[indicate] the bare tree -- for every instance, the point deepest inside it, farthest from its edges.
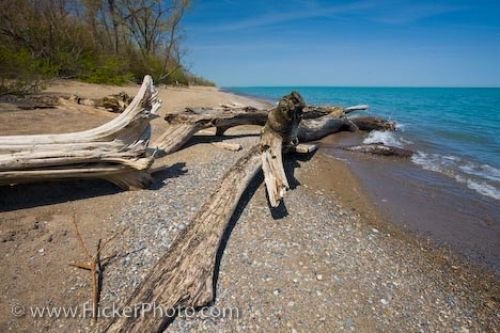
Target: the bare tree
(172, 53)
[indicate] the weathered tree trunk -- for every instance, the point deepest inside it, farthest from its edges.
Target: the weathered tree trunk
(183, 277)
(184, 125)
(280, 132)
(316, 128)
(119, 147)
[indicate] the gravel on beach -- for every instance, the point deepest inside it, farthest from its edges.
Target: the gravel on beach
(314, 266)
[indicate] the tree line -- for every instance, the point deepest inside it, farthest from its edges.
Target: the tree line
(97, 41)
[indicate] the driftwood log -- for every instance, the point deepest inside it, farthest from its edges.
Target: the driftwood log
(380, 149)
(114, 103)
(184, 276)
(373, 123)
(318, 122)
(184, 125)
(116, 151)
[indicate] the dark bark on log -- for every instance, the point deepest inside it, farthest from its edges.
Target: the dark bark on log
(373, 123)
(312, 112)
(184, 276)
(114, 103)
(380, 149)
(280, 132)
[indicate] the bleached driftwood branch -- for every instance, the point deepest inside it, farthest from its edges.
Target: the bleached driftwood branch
(116, 151)
(184, 125)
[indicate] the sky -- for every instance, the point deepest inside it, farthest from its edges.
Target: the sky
(344, 43)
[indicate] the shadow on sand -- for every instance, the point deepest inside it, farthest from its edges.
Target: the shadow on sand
(48, 193)
(290, 164)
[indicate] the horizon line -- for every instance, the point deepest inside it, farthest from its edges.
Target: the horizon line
(355, 86)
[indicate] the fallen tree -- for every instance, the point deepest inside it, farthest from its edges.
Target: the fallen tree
(318, 122)
(116, 151)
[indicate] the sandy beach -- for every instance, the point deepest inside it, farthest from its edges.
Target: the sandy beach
(327, 262)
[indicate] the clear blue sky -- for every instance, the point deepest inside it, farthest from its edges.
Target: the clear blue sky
(367, 42)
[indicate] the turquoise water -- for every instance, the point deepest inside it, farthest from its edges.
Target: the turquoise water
(455, 131)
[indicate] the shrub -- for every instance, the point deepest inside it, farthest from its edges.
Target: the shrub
(19, 73)
(106, 70)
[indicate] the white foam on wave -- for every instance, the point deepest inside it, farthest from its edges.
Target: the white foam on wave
(484, 189)
(484, 171)
(400, 127)
(385, 137)
(474, 176)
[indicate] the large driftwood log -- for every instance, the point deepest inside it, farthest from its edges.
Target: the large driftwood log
(185, 124)
(184, 276)
(316, 128)
(114, 149)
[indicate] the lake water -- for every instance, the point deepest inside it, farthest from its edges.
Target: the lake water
(455, 131)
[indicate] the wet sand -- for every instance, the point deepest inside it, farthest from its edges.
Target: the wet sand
(425, 203)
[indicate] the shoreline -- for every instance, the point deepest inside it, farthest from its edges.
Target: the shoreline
(346, 187)
(426, 205)
(409, 226)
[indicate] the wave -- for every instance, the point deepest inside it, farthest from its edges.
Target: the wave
(484, 189)
(484, 171)
(385, 137)
(400, 127)
(482, 178)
